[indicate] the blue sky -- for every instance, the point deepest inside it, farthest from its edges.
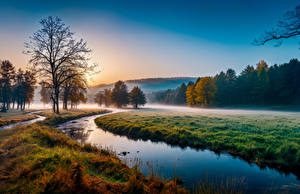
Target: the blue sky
(137, 39)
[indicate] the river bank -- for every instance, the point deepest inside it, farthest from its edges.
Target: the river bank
(266, 140)
(39, 158)
(15, 116)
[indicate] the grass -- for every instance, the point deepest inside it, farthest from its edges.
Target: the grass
(39, 158)
(267, 140)
(14, 116)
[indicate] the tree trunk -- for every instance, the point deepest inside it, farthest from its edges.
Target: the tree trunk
(53, 105)
(57, 99)
(65, 102)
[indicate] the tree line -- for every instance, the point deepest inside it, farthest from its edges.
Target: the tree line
(260, 85)
(171, 96)
(119, 96)
(16, 87)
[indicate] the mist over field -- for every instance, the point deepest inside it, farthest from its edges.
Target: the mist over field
(150, 97)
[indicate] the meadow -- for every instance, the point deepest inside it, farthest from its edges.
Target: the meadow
(39, 158)
(268, 140)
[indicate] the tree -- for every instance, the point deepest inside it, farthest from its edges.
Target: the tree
(230, 89)
(107, 97)
(190, 95)
(220, 80)
(180, 95)
(74, 90)
(54, 53)
(246, 84)
(137, 97)
(46, 94)
(7, 75)
(205, 91)
(119, 94)
(287, 27)
(23, 88)
(103, 97)
(76, 98)
(99, 98)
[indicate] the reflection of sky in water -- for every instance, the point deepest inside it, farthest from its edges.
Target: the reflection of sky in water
(191, 165)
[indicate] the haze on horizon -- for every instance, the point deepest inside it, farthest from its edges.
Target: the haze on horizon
(140, 39)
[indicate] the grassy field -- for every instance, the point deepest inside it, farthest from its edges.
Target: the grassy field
(39, 158)
(14, 116)
(267, 140)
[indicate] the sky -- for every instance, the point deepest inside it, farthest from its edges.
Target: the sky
(140, 39)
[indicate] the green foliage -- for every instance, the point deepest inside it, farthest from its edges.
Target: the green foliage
(38, 158)
(137, 97)
(16, 88)
(263, 85)
(171, 96)
(272, 141)
(119, 94)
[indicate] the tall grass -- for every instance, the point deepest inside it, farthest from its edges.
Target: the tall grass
(217, 186)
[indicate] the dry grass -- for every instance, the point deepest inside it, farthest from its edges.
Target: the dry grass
(39, 158)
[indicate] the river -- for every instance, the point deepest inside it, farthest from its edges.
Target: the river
(38, 118)
(189, 164)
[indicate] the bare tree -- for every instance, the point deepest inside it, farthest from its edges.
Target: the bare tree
(288, 26)
(54, 53)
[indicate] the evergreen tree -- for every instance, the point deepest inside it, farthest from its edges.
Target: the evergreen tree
(180, 95)
(7, 75)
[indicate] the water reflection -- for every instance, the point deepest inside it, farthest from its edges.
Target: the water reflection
(39, 118)
(189, 164)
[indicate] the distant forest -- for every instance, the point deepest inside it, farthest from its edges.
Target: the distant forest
(260, 85)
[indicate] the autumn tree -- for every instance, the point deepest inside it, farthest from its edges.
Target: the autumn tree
(137, 97)
(190, 95)
(77, 98)
(205, 91)
(54, 53)
(119, 94)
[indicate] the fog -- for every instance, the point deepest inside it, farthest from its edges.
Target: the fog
(183, 109)
(225, 111)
